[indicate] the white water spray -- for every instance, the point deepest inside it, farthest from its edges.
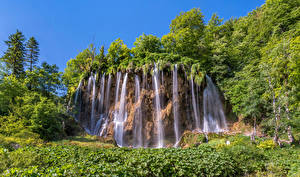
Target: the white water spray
(175, 105)
(160, 131)
(121, 116)
(214, 117)
(137, 132)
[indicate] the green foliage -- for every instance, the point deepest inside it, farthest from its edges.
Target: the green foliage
(192, 19)
(35, 112)
(186, 32)
(76, 70)
(14, 57)
(76, 161)
(118, 54)
(268, 144)
(29, 106)
(32, 52)
(10, 88)
(205, 160)
(45, 79)
(146, 44)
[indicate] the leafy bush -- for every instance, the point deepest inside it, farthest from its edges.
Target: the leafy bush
(268, 144)
(205, 160)
(76, 161)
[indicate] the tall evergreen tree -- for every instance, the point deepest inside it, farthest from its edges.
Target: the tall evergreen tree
(32, 52)
(14, 57)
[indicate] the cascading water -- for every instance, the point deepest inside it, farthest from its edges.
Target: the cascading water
(78, 90)
(106, 104)
(92, 123)
(160, 131)
(107, 96)
(101, 100)
(121, 115)
(214, 117)
(152, 114)
(101, 97)
(175, 105)
(195, 107)
(137, 132)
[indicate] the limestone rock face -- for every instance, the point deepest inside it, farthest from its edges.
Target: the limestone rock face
(146, 101)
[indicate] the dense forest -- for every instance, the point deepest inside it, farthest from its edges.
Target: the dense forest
(253, 60)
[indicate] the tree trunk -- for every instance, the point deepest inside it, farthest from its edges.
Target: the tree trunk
(276, 138)
(287, 111)
(254, 131)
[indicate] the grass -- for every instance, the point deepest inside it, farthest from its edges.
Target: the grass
(83, 141)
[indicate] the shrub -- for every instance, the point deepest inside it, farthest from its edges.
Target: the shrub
(267, 144)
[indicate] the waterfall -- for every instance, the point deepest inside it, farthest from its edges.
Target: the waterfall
(137, 132)
(107, 105)
(175, 105)
(119, 75)
(107, 96)
(160, 131)
(101, 100)
(214, 118)
(78, 90)
(92, 123)
(138, 114)
(89, 83)
(195, 107)
(101, 97)
(121, 115)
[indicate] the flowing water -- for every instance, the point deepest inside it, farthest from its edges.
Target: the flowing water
(214, 117)
(195, 107)
(101, 97)
(175, 105)
(92, 123)
(159, 123)
(138, 124)
(107, 105)
(107, 118)
(78, 90)
(100, 101)
(121, 115)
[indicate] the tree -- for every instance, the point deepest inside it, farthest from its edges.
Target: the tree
(186, 33)
(32, 52)
(192, 19)
(278, 61)
(76, 69)
(10, 88)
(101, 58)
(46, 79)
(14, 57)
(118, 52)
(146, 44)
(101, 55)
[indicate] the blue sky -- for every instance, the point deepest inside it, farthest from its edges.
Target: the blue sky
(65, 27)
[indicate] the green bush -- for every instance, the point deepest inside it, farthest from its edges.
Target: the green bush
(267, 144)
(205, 160)
(76, 161)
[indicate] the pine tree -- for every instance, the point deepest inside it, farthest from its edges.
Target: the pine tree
(32, 52)
(101, 55)
(14, 57)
